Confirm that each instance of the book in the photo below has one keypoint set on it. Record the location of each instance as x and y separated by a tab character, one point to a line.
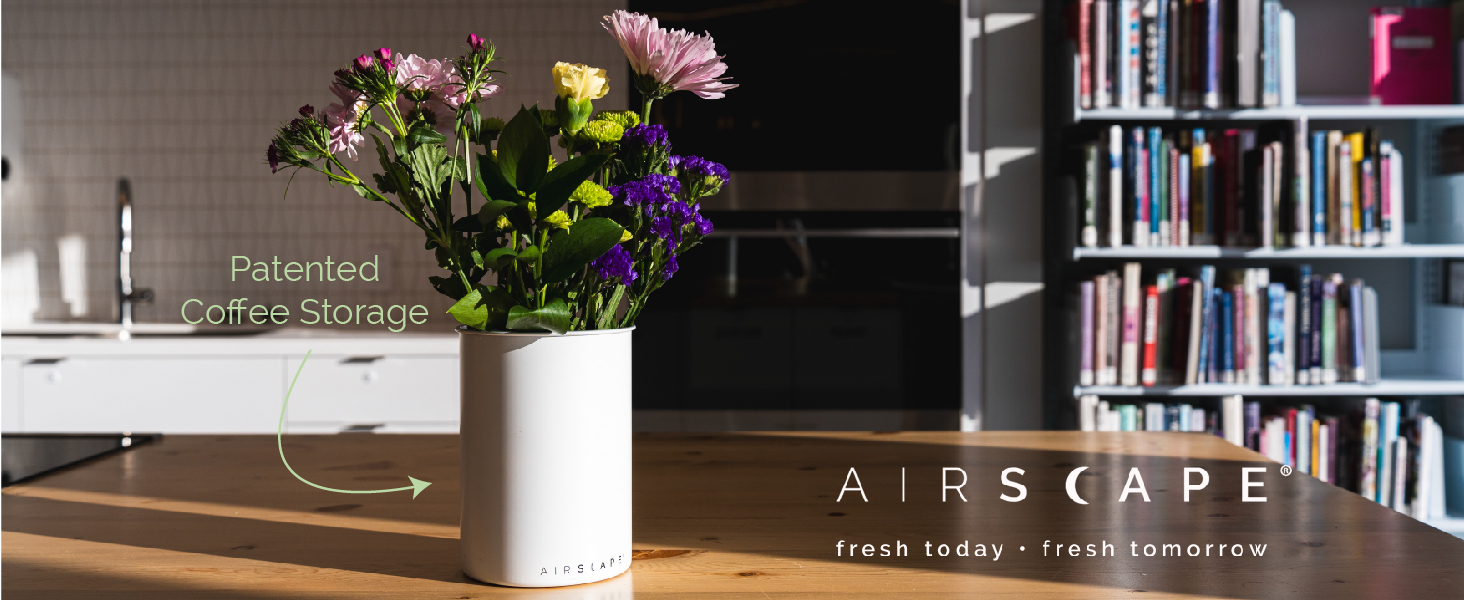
1303	326
1082	35
1227	336
1100	330
1115	326
1288	342
1412	60
1183	188
1329	331
1132	321
1206	333
1302	428
1087	413
1194	336
1211	97
1233	420
1355	350
1324	451
1138	176
1393	234
1268	214
1344	187
1166	200
1356	151
1089	234
1130	48
1400	475
1370	236
1286	46
1271	53
1153	193
1102	86
1372	412
1164	284
1248	53
1085	333
1151	18
1387	445
1276	334
1299	192
1315	366
1149	374
1319	187
1371	347
1115	186
1316	447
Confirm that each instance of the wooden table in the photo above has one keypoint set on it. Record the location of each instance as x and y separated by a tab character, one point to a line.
725	515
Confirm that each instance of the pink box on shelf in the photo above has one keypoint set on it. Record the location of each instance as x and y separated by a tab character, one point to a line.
1412	55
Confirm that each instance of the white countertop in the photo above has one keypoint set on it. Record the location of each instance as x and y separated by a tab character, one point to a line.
286	341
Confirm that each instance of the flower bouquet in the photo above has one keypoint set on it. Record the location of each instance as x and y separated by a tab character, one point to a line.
574	246
577	244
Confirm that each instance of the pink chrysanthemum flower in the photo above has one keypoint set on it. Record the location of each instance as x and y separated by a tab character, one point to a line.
341	120
673	59
416	73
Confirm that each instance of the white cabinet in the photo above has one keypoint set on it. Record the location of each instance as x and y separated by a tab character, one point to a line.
152	394
10	400
394	393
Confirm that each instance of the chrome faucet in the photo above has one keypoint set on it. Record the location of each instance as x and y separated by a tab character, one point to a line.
125	292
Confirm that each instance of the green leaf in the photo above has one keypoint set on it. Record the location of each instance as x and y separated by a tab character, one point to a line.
424	135
430	169
452	287
570	251
564	179
491	182
607	314
468	311
529	255
553	316
522	140
468	224
488	215
494	259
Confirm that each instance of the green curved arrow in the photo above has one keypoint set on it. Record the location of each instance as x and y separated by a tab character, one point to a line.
417	484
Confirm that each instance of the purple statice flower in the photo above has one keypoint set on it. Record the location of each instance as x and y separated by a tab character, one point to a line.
650	191
702	224
671	267
680	212
664	228
646	136
616	263
698	167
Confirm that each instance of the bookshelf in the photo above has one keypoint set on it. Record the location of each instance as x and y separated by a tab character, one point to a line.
1316	252
1359	112
1427	364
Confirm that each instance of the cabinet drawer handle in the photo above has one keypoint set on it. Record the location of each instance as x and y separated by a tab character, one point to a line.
45	361
361	360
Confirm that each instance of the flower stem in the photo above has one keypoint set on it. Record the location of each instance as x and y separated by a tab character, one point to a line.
646	109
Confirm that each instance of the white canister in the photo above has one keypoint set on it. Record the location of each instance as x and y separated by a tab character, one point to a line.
546	431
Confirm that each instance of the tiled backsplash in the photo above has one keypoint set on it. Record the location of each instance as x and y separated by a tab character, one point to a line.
181	98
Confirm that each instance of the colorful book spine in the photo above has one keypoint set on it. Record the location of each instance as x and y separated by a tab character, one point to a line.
1204	340
1288	342
1271	62
1115	186
1276	334
1385	187
1130	61
1370	235
1315	366
1319	188
1083	22
1344	194
1301	235
1100	330
1356	150
1183	188
1132	315
1165	286
1303	328
1115	326
1227	337
1161	53
1149	374
1139	187
1329	332
1213	56
1387	441
1357	343
1395	195
1154	161
1166	198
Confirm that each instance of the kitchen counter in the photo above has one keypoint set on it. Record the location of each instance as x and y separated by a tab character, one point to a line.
741	515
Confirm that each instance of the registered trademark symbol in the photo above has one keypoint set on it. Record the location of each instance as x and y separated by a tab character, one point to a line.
1285	470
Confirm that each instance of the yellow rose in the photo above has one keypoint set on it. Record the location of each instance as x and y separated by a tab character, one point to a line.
580	82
